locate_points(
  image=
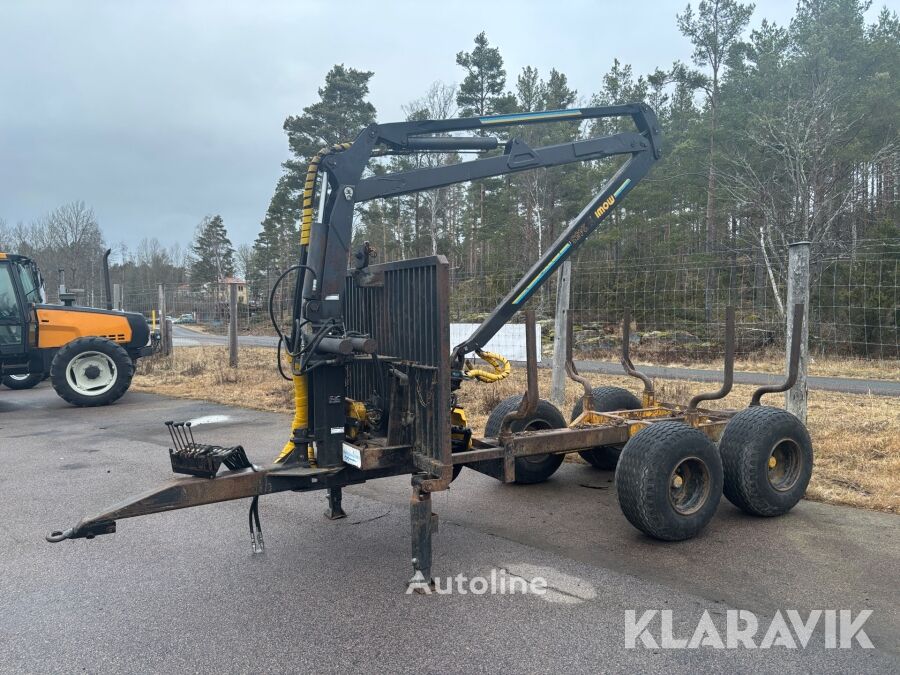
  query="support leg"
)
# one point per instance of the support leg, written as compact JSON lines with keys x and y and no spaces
{"x":423,"y":524}
{"x":335,"y":511}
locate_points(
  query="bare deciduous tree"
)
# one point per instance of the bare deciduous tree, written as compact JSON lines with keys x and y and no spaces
{"x":438,"y":103}
{"x":792,"y":178}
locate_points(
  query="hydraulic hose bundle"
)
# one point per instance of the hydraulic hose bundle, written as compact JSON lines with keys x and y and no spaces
{"x":301,"y":393}
{"x":499,"y":364}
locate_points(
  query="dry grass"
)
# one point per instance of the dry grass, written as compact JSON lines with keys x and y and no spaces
{"x":856,"y":437}
{"x":823,"y":366}
{"x":203,"y":373}
{"x":767,"y":361}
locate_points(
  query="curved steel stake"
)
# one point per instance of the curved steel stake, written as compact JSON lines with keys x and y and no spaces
{"x":530,"y":399}
{"x":729,"y":365}
{"x":649,"y":392}
{"x":587,"y":400}
{"x":793,"y":363}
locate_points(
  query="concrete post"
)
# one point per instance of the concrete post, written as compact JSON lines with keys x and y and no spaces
{"x":169,"y":341}
{"x":795,"y":399}
{"x":117,"y":296}
{"x":563,"y":292}
{"x":232,"y":326}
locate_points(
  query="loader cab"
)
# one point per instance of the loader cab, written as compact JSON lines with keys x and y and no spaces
{"x":21,"y":287}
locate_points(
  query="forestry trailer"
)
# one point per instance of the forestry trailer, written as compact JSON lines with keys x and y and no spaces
{"x":375,"y":379}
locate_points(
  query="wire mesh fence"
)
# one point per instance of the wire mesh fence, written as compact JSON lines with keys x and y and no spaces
{"x":677,"y":306}
{"x":200,"y":306}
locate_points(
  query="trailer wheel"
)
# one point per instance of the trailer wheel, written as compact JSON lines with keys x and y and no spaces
{"x":25,"y":381}
{"x":669,"y":480}
{"x":533,"y":468}
{"x":91,"y":371}
{"x":768,"y":460}
{"x":606,"y":399}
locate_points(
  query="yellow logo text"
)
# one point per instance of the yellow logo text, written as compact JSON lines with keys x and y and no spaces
{"x":605,"y":206}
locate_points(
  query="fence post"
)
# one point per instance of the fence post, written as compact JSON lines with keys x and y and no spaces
{"x":232,"y":326}
{"x":169,"y":340}
{"x":558,"y":378}
{"x":163,"y":324}
{"x":795,"y":398}
{"x":117,"y":296}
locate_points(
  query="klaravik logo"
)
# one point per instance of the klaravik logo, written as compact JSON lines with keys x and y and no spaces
{"x":654,"y":629}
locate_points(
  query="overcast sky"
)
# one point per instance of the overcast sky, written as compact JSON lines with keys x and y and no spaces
{"x":159,"y":113}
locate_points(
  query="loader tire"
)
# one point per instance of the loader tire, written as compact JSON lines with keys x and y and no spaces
{"x":91,"y":371}
{"x":533,"y":468}
{"x":606,"y":399}
{"x":669,"y":480}
{"x":23,"y":381}
{"x":768,"y":460}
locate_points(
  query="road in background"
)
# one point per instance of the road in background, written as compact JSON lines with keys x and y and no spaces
{"x":186,"y":337}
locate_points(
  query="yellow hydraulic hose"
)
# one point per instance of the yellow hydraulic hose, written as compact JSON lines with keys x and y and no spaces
{"x":309,"y":189}
{"x":301,"y":399}
{"x":301,"y":409}
{"x":499,"y":364}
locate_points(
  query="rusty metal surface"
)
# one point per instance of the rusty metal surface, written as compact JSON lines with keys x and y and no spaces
{"x":404,"y":313}
{"x":793,"y":362}
{"x":728,"y":380}
{"x":590,"y":429}
{"x":587,"y":399}
{"x":382,"y":457}
{"x":626,"y":357}
{"x":544,"y":441}
{"x":423,"y":524}
{"x":531,"y":396}
{"x":181,"y":493}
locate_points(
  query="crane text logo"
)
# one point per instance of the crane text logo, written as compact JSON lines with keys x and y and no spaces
{"x":654,"y":629}
{"x":605,"y":206}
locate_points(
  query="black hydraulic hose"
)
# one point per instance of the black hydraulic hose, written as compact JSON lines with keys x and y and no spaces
{"x":275,"y":286}
{"x":307,"y":352}
{"x":278,"y":360}
{"x":256,"y":535}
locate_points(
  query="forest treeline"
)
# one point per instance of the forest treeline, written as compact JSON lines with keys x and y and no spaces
{"x":771,"y":135}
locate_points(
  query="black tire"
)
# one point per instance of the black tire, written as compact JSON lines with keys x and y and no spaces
{"x":651,"y":463}
{"x":768,"y":460}
{"x":606,"y":399}
{"x":534,"y":468}
{"x":23,"y":381}
{"x":107,"y":364}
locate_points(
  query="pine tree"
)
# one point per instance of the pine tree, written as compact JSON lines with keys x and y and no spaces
{"x":338,"y":116}
{"x":275,"y":247}
{"x":714,"y":31}
{"x":482,"y":90}
{"x":213,"y":252}
{"x":482,"y":93}
{"x":341,"y":112}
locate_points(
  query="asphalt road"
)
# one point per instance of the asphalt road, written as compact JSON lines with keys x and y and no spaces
{"x":184,"y":336}
{"x":180,"y":591}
